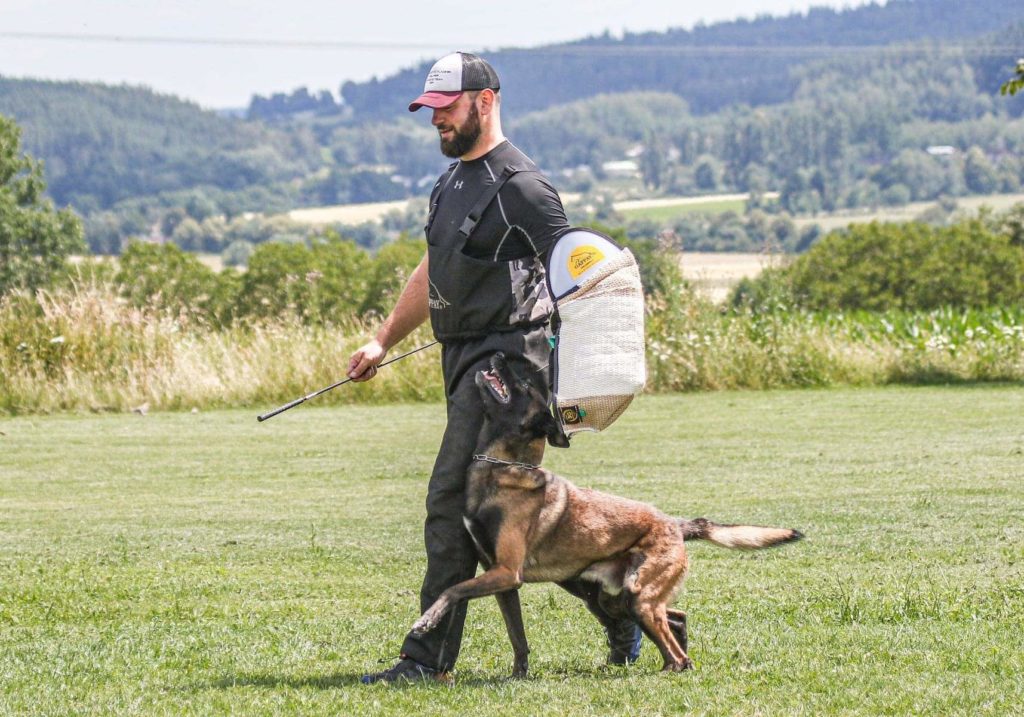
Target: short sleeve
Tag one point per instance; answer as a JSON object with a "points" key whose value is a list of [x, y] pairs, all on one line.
{"points": [[534, 209]]}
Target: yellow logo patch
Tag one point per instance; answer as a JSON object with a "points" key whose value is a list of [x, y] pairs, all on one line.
{"points": [[582, 258], [572, 414]]}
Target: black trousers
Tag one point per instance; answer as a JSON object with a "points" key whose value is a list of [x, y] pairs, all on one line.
{"points": [[451, 555]]}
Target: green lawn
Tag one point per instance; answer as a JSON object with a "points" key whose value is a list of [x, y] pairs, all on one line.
{"points": [[206, 564]]}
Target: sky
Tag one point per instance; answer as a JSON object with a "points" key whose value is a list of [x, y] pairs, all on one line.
{"points": [[220, 52]]}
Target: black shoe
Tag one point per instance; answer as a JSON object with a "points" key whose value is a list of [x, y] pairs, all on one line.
{"points": [[624, 642], [405, 670]]}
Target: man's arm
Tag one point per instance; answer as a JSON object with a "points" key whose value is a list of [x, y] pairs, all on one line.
{"points": [[410, 311]]}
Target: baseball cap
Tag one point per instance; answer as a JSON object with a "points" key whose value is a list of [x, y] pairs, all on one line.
{"points": [[451, 76]]}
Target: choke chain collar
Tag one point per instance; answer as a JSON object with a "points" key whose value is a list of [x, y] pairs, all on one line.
{"points": [[500, 462]]}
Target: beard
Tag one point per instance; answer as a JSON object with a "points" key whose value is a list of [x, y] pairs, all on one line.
{"points": [[464, 137]]}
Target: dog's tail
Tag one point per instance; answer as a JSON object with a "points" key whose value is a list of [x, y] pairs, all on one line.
{"points": [[742, 537]]}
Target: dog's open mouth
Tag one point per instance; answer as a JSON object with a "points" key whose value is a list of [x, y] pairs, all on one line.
{"points": [[495, 383], [498, 388]]}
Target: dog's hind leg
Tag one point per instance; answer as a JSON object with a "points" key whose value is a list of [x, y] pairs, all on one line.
{"points": [[652, 585], [677, 624], [653, 620], [590, 593], [513, 615]]}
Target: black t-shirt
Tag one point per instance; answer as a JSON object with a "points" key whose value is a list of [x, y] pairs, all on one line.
{"points": [[523, 220]]}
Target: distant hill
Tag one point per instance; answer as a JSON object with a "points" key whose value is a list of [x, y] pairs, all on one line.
{"points": [[849, 127], [103, 144], [713, 66]]}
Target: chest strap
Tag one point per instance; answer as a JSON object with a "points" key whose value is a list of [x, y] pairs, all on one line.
{"points": [[484, 201]]}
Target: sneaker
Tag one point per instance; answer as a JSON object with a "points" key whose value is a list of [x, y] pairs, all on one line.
{"points": [[624, 642], [405, 670]]}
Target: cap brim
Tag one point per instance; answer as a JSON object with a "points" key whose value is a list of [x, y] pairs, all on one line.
{"points": [[435, 100]]}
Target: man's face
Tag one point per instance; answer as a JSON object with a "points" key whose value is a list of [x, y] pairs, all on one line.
{"points": [[458, 126]]}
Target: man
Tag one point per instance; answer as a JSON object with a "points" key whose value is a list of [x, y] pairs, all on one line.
{"points": [[492, 218]]}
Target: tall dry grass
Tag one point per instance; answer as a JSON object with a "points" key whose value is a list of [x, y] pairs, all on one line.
{"points": [[84, 348]]}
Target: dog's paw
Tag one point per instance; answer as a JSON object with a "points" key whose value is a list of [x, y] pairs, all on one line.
{"points": [[686, 664], [424, 625], [520, 669]]}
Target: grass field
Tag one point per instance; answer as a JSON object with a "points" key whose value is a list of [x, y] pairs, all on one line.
{"points": [[669, 209], [905, 213], [199, 564]]}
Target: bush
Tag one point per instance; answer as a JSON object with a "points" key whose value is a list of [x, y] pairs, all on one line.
{"points": [[392, 267], [237, 253], [324, 283], [165, 278], [901, 266]]}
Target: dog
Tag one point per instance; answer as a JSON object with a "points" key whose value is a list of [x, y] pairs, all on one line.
{"points": [[530, 525]]}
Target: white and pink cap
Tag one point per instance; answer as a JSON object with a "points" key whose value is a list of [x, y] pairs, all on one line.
{"points": [[451, 76]]}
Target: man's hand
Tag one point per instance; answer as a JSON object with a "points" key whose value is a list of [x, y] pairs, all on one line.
{"points": [[363, 364]]}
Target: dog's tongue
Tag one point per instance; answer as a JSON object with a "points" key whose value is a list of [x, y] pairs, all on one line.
{"points": [[495, 381]]}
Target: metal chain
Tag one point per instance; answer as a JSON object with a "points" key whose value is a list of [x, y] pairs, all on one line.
{"points": [[491, 459]]}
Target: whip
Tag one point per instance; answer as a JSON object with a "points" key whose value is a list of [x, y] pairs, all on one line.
{"points": [[297, 401]]}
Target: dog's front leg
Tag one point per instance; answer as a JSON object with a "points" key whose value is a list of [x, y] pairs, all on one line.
{"points": [[497, 579], [512, 612]]}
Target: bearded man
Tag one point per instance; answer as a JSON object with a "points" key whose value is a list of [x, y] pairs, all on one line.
{"points": [[493, 216]]}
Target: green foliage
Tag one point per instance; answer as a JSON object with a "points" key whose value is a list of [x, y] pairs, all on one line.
{"points": [[106, 144], [392, 267], [653, 162], [900, 266], [35, 239], [323, 283], [755, 231], [1016, 83], [690, 63], [601, 128], [165, 278], [237, 253], [83, 347]]}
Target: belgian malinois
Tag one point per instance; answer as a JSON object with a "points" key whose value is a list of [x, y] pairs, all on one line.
{"points": [[530, 525]]}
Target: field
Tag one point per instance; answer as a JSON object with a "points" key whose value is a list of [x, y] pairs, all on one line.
{"points": [[346, 213], [906, 213], [714, 274], [661, 208], [666, 209], [202, 563]]}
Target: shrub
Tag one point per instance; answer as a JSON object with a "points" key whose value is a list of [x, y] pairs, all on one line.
{"points": [[392, 267], [322, 283], [168, 279], [900, 266], [237, 253]]}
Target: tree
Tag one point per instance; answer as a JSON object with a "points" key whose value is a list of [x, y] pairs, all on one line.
{"points": [[708, 172], [979, 174], [1016, 83], [652, 161], [35, 239]]}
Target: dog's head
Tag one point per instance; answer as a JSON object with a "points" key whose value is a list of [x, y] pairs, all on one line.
{"points": [[514, 407]]}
